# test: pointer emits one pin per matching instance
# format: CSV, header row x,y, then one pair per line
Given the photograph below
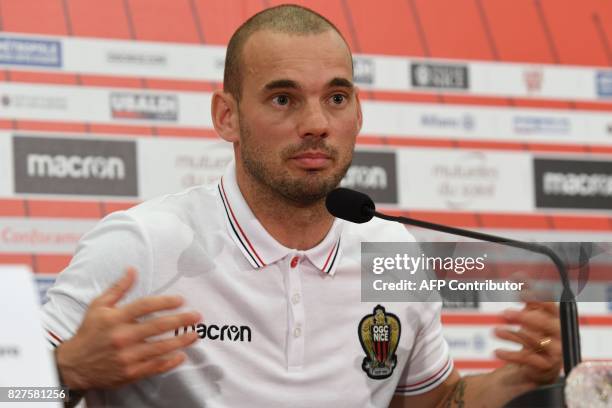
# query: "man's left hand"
x,y
540,359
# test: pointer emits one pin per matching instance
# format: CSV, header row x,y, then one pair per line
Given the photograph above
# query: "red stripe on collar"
x,y
330,255
238,225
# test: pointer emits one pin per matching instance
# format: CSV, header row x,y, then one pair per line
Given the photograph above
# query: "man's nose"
x,y
314,121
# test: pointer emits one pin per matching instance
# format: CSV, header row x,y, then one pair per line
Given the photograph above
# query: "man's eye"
x,y
281,100
338,99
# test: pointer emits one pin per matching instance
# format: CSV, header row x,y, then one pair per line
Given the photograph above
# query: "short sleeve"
x,y
430,362
101,258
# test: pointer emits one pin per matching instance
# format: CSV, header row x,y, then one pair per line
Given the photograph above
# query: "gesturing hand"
x,y
112,348
540,358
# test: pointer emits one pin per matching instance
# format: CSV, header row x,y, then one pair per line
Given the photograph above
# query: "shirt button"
x,y
294,261
295,299
297,332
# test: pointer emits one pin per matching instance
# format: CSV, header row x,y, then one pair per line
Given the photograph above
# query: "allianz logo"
x,y
476,342
214,332
466,122
368,177
86,167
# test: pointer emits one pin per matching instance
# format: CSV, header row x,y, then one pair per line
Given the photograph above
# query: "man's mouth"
x,y
312,160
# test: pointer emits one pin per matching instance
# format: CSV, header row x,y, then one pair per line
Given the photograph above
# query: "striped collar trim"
x,y
326,255
237,232
257,245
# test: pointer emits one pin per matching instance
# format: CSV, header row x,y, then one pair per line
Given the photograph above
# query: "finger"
x,y
525,357
155,366
550,307
150,304
526,339
160,325
148,351
530,340
112,295
535,320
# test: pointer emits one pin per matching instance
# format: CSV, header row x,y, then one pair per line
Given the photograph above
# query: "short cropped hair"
x,y
286,18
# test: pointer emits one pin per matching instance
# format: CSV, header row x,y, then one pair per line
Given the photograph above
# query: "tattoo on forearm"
x,y
455,399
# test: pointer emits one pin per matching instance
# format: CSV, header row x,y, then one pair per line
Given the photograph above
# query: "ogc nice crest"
x,y
379,334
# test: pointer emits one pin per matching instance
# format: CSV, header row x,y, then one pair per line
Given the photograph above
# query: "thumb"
x,y
112,295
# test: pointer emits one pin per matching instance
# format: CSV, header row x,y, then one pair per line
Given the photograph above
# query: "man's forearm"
x,y
75,396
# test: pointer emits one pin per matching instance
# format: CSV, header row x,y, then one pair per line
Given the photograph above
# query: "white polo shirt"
x,y
282,327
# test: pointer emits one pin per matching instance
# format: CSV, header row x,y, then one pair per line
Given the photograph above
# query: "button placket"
x,y
295,338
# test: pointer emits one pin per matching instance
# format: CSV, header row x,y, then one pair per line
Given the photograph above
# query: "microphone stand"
x,y
551,395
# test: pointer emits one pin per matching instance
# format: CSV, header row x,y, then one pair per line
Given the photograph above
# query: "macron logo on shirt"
x,y
214,332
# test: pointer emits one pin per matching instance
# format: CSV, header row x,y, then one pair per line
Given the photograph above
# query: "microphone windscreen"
x,y
588,385
350,205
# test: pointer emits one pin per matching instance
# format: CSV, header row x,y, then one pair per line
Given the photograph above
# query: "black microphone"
x,y
350,205
354,206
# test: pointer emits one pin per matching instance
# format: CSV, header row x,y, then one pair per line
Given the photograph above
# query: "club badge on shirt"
x,y
379,334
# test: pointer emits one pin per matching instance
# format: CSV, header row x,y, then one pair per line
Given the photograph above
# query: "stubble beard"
x,y
306,190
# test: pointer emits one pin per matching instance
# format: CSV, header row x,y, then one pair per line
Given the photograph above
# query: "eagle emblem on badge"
x,y
379,334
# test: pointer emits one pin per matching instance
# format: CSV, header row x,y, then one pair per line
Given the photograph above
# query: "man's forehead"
x,y
276,42
267,52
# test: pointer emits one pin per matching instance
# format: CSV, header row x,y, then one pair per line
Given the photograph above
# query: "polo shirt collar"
x,y
257,245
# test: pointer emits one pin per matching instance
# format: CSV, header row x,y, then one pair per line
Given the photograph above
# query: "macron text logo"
x,y
371,177
75,166
223,333
572,184
44,165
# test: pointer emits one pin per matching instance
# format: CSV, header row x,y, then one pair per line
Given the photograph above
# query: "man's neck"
x,y
291,224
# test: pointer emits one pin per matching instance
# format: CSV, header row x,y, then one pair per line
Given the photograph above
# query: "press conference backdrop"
x,y
486,114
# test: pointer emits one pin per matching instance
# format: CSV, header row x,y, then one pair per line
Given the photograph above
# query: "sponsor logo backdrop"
x,y
30,52
94,122
575,184
50,165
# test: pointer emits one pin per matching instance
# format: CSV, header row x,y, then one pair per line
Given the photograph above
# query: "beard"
x,y
305,189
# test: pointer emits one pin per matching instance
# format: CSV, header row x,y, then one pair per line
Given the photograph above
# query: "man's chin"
x,y
311,171
309,193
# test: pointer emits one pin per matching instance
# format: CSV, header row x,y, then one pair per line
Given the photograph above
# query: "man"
x,y
275,277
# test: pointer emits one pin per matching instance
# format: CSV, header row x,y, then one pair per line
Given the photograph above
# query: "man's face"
x,y
299,113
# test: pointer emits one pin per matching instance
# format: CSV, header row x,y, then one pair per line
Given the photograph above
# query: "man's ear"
x,y
224,112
